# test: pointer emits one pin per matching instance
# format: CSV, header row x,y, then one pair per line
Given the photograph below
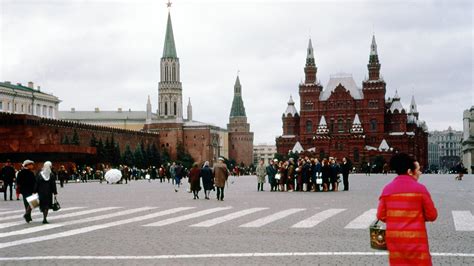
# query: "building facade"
x,y
203,141
444,149
344,120
265,152
20,99
124,119
468,140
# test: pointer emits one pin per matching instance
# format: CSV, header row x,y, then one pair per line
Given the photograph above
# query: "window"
x,y
166,108
309,126
340,125
174,72
174,106
331,126
166,72
38,109
1,106
373,124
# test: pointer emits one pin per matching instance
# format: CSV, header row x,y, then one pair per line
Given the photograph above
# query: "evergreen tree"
x,y
127,157
107,153
155,156
65,140
75,138
139,158
116,155
184,157
93,142
100,151
146,162
165,156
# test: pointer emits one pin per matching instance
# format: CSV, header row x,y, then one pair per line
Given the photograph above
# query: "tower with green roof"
x,y
170,99
240,137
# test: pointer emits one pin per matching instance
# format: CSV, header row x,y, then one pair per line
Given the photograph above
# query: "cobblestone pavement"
x,y
148,223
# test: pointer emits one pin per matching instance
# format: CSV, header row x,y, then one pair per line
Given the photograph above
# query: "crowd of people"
x,y
304,174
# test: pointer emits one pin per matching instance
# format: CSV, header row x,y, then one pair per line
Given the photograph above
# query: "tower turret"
x,y
310,68
170,102
190,110
374,65
148,111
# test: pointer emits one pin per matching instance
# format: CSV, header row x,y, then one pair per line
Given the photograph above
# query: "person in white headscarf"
x,y
45,187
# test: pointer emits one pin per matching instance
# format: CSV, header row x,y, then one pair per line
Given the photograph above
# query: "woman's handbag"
x,y
377,236
319,180
56,206
278,176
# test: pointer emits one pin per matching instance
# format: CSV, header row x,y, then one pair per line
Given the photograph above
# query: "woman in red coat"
x,y
194,180
405,205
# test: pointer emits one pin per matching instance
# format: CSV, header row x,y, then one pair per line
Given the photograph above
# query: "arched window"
x,y
331,126
166,108
174,72
373,124
340,125
174,106
166,72
309,126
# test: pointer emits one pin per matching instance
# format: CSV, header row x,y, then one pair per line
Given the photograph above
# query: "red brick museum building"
x,y
343,120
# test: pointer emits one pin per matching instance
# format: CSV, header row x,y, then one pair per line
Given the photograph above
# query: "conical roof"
x,y
357,126
322,128
290,109
169,49
238,108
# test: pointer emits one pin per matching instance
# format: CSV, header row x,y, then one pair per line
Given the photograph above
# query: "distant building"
x,y
20,99
444,149
265,152
345,120
468,140
123,119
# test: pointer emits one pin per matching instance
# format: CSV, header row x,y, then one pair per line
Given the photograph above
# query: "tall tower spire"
x,y
190,110
148,111
413,108
310,68
238,109
170,102
374,65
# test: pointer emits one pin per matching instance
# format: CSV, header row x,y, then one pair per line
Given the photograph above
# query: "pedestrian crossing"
x,y
73,221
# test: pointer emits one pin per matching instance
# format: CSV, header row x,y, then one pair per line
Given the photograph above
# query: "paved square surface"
x,y
149,223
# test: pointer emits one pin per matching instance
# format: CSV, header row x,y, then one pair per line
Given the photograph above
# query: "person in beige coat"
x,y
261,172
221,173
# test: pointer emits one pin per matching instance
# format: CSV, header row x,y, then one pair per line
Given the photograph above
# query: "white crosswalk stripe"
x,y
228,217
85,220
10,212
187,216
317,218
36,213
363,221
92,228
61,216
272,218
463,220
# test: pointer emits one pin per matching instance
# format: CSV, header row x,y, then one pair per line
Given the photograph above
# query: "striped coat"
x,y
405,205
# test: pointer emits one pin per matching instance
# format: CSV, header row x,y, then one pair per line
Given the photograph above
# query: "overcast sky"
x,y
106,54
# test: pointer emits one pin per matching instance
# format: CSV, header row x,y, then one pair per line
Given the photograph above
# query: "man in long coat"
x,y
221,173
261,173
7,174
405,205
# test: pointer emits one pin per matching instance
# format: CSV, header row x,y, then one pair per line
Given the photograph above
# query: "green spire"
x,y
169,50
238,108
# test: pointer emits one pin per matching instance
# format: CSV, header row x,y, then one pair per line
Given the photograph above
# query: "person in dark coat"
x,y
195,180
7,174
271,172
207,179
325,174
45,186
62,175
345,169
335,170
26,183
